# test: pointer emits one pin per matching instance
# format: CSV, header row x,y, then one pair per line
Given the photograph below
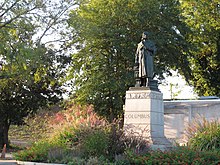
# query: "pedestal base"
x,y
144,116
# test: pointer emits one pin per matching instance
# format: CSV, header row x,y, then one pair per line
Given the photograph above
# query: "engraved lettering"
x,y
137,116
144,96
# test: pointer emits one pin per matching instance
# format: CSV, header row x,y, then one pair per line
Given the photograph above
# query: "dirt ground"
x,y
8,160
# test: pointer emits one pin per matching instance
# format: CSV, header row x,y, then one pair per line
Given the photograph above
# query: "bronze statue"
x,y
144,65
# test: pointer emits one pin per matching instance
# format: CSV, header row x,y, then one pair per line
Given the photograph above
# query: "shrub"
x,y
37,152
96,143
46,151
77,129
60,155
204,134
80,133
178,156
97,160
77,161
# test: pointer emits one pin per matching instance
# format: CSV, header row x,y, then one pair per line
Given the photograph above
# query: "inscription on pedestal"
x,y
144,96
136,116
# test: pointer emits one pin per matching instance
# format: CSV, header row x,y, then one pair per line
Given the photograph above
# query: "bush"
x,y
77,161
90,161
60,155
204,135
96,143
78,130
38,152
178,156
79,133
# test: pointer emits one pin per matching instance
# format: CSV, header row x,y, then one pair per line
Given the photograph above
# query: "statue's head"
x,y
145,35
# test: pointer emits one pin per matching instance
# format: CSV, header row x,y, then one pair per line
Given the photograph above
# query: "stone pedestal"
x,y
144,116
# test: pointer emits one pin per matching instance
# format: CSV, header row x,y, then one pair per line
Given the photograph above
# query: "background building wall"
x,y
179,114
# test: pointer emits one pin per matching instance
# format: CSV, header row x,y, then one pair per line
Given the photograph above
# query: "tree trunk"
x,y
1,137
4,127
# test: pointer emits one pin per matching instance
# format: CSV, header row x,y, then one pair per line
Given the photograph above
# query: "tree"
x,y
106,35
203,17
30,72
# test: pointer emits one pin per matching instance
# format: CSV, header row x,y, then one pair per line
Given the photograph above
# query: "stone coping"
x,y
189,103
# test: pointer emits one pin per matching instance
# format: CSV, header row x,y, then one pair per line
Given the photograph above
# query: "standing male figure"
x,y
144,61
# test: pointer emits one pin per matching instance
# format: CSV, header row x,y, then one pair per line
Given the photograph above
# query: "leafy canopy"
x,y
106,35
203,17
30,68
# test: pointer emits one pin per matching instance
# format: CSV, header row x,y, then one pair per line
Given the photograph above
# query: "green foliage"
x,y
90,161
23,93
96,143
47,150
59,154
38,152
88,135
177,156
203,18
97,160
80,139
30,71
106,35
86,141
174,91
77,132
77,161
204,135
77,129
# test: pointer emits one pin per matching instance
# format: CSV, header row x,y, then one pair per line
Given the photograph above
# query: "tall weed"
x,y
204,134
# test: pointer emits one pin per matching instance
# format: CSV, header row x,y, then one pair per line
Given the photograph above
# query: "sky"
x,y
179,86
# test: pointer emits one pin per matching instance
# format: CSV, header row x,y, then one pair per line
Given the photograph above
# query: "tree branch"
x,y
52,22
9,8
14,18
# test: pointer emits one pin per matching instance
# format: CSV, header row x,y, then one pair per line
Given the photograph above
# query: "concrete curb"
x,y
8,162
35,163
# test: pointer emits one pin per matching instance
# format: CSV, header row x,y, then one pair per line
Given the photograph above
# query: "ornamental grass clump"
x,y
70,125
203,134
69,129
78,133
34,127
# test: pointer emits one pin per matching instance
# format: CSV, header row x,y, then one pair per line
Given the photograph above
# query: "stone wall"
x,y
178,114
